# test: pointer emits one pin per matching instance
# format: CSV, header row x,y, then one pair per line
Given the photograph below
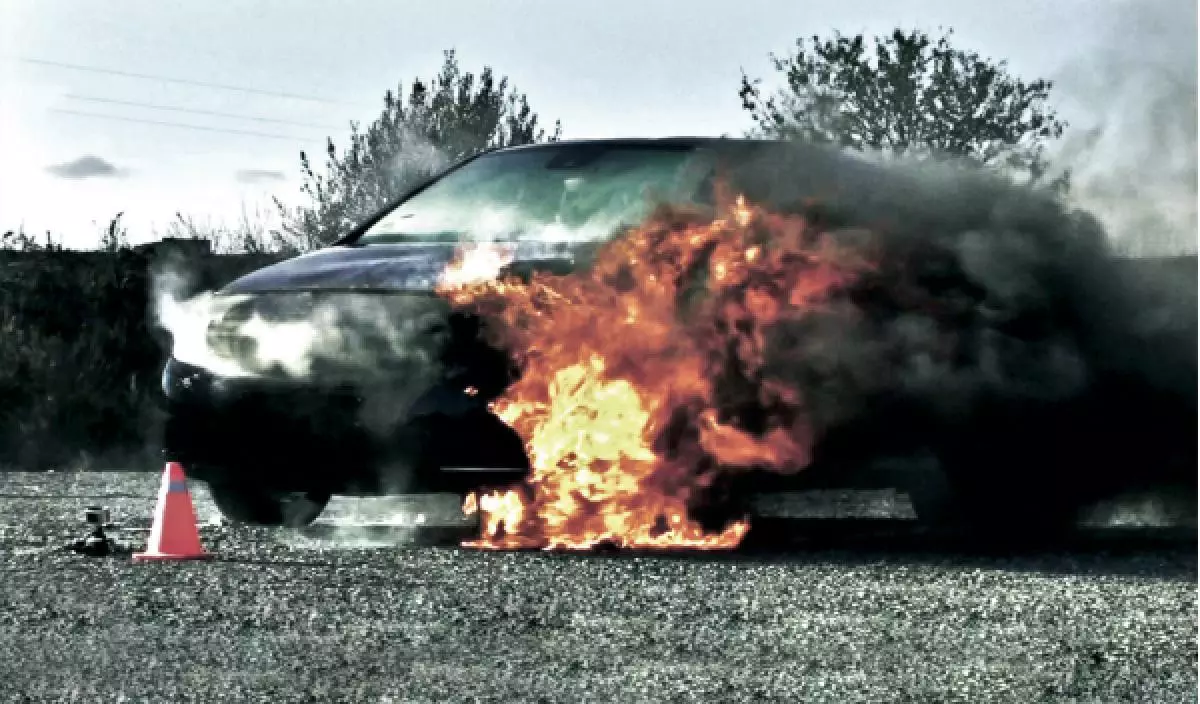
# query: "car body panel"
x,y
320,431
395,267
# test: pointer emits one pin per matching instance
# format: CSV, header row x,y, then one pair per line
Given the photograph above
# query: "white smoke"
x,y
387,346
1131,146
289,334
385,521
419,155
1143,510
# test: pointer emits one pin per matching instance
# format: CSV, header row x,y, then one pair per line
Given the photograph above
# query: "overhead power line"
x,y
186,81
172,108
181,125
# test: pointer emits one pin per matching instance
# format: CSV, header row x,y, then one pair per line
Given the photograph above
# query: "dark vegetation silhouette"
x,y
79,355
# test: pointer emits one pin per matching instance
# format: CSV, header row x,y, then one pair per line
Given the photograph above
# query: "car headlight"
x,y
180,380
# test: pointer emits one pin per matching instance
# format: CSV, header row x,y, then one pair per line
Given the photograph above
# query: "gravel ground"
x,y
278,617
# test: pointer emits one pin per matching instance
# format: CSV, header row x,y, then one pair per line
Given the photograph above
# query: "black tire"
x,y
922,479
957,500
996,510
263,507
934,502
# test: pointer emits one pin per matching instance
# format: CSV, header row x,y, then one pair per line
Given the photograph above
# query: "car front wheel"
x,y
260,506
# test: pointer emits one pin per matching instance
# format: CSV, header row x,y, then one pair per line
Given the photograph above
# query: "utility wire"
x,y
109,101
178,124
185,81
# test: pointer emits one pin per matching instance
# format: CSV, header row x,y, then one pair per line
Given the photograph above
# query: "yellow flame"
x,y
477,262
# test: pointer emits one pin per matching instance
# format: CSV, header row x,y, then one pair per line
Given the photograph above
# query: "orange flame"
x,y
624,366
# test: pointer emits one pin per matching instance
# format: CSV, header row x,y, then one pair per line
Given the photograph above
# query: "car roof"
x,y
626,142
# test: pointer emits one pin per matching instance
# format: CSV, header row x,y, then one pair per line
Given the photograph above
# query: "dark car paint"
x,y
390,266
293,437
381,267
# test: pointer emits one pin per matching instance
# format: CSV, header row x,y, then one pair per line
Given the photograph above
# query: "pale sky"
x,y
619,68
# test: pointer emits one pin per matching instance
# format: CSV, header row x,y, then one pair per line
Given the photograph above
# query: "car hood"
x,y
392,267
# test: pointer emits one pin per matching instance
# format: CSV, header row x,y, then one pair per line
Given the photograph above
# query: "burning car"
x,y
621,340
399,401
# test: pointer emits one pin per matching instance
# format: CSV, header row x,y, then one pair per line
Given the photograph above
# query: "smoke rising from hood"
x,y
1131,146
301,336
386,346
297,335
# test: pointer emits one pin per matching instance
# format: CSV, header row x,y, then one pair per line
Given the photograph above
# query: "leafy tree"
x,y
909,93
453,116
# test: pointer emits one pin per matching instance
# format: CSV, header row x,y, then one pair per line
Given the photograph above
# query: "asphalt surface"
x,y
352,610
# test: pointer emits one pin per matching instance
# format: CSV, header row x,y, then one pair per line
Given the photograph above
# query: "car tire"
x,y
994,509
921,478
933,501
259,506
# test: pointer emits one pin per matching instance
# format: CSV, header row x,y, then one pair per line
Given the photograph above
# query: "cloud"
x,y
259,176
86,166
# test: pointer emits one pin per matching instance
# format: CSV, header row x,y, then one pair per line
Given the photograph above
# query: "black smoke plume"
x,y
1000,333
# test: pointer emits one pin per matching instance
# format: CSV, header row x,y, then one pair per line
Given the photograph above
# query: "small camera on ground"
x,y
97,516
95,543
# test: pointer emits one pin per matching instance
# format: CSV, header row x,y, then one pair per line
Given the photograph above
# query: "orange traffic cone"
x,y
174,535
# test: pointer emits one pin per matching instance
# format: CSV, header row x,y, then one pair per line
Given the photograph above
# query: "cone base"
x,y
163,557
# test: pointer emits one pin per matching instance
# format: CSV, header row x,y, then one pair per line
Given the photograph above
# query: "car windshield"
x,y
552,193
